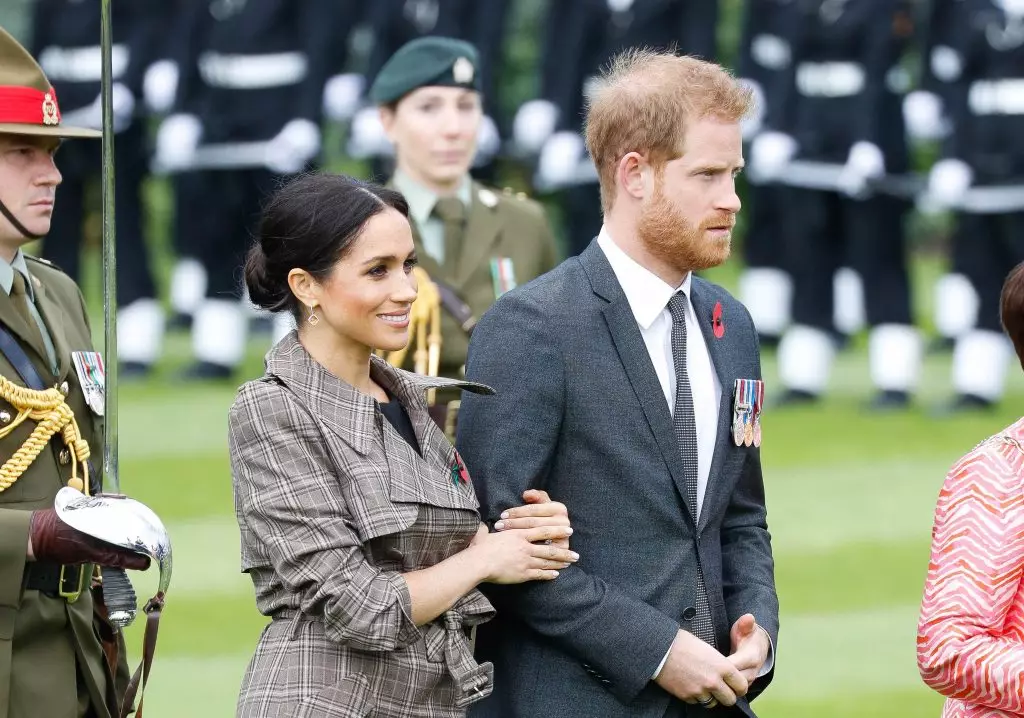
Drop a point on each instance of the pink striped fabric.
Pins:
(970, 640)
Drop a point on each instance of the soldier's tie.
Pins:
(20, 298)
(684, 422)
(452, 212)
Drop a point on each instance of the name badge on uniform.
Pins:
(92, 378)
(503, 275)
(748, 399)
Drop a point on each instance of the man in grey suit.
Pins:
(630, 390)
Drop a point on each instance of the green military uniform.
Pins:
(52, 662)
(42, 638)
(506, 242)
(503, 238)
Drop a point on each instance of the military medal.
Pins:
(503, 275)
(740, 411)
(758, 404)
(92, 378)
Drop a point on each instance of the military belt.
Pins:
(54, 579)
(454, 305)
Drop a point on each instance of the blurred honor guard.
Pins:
(982, 176)
(248, 111)
(67, 43)
(844, 115)
(174, 50)
(59, 656)
(766, 287)
(926, 111)
(474, 243)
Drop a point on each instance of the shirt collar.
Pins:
(422, 200)
(646, 292)
(7, 274)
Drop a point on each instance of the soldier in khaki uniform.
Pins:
(59, 657)
(473, 242)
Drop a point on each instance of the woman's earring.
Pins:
(314, 318)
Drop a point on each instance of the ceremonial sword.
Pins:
(118, 593)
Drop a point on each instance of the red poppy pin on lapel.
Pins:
(716, 321)
(459, 474)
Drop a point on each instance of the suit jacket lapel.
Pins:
(53, 315)
(482, 230)
(629, 344)
(722, 352)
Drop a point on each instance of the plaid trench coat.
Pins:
(333, 505)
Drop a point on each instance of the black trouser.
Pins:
(764, 243)
(192, 215)
(582, 216)
(80, 165)
(826, 231)
(231, 204)
(985, 248)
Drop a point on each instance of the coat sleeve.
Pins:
(748, 569)
(974, 576)
(287, 497)
(510, 442)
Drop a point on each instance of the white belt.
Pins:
(82, 64)
(830, 79)
(253, 72)
(996, 97)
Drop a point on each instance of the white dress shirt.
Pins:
(648, 296)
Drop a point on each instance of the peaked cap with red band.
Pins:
(28, 104)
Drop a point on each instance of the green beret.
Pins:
(424, 62)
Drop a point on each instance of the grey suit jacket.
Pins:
(579, 412)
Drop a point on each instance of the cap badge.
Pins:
(51, 116)
(462, 71)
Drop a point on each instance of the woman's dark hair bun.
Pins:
(265, 291)
(310, 223)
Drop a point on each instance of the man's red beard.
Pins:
(668, 236)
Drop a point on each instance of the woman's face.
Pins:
(434, 130)
(369, 292)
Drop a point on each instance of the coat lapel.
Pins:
(722, 354)
(482, 230)
(635, 360)
(53, 316)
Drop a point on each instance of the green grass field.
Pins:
(850, 497)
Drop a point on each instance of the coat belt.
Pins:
(448, 643)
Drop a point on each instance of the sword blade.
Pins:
(111, 476)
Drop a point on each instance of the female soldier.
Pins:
(358, 521)
(475, 244)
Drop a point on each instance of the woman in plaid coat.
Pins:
(359, 524)
(970, 641)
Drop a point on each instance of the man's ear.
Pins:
(635, 175)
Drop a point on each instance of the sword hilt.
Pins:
(119, 596)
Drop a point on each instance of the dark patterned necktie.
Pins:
(684, 421)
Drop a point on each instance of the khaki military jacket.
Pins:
(507, 235)
(42, 638)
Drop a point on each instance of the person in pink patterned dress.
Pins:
(970, 638)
